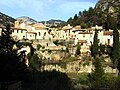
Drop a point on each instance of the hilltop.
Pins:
(26, 19)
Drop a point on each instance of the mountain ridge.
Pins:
(6, 19)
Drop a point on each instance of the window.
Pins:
(45, 34)
(39, 33)
(108, 41)
(98, 40)
(17, 31)
(30, 35)
(69, 30)
(21, 31)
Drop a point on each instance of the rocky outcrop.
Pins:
(108, 6)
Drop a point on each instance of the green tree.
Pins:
(96, 78)
(12, 66)
(38, 46)
(70, 21)
(78, 49)
(102, 49)
(94, 47)
(118, 19)
(115, 50)
(34, 61)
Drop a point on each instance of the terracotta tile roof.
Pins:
(108, 33)
(67, 27)
(18, 28)
(39, 25)
(14, 28)
(40, 28)
(82, 41)
(77, 27)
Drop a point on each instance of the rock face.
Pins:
(26, 19)
(108, 6)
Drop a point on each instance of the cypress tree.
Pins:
(115, 50)
(94, 50)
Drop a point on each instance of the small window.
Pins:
(45, 34)
(21, 31)
(17, 31)
(39, 33)
(69, 30)
(98, 40)
(30, 35)
(108, 41)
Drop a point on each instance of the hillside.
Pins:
(26, 19)
(53, 21)
(105, 13)
(109, 6)
(6, 19)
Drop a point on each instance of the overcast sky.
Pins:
(41, 10)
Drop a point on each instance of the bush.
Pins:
(83, 79)
(38, 46)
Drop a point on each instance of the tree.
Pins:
(34, 61)
(118, 20)
(38, 46)
(70, 21)
(94, 47)
(102, 48)
(96, 78)
(78, 49)
(115, 50)
(12, 66)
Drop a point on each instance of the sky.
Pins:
(42, 10)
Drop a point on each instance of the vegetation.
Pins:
(12, 64)
(78, 49)
(116, 45)
(34, 61)
(56, 42)
(97, 75)
(6, 19)
(38, 46)
(94, 46)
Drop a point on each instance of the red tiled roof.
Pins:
(18, 28)
(14, 28)
(107, 33)
(82, 41)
